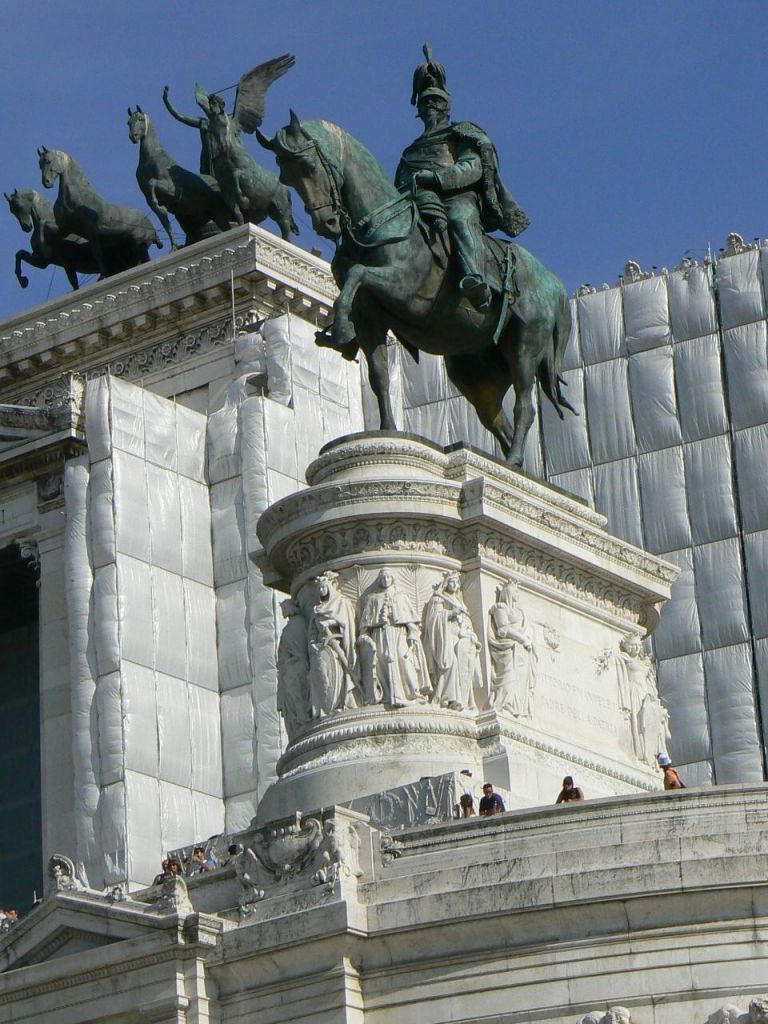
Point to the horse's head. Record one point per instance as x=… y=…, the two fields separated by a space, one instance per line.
x=138 y=122
x=52 y=163
x=309 y=157
x=21 y=207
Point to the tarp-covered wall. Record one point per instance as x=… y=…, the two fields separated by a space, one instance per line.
x=670 y=376
x=147 y=737
x=290 y=399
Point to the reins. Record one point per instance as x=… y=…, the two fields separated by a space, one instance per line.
x=337 y=207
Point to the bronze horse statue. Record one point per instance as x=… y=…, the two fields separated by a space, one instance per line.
x=251 y=191
x=395 y=275
x=196 y=203
x=48 y=246
x=80 y=210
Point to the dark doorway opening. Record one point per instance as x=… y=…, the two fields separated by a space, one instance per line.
x=21 y=866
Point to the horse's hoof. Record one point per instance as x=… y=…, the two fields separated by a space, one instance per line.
x=24 y=281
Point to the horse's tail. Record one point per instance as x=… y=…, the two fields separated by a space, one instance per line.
x=548 y=373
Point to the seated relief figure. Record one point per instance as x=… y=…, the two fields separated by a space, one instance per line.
x=393 y=669
x=451 y=646
x=512 y=654
x=331 y=641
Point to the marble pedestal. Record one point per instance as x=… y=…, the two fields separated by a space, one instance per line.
x=573 y=694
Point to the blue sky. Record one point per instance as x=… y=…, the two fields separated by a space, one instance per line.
x=624 y=129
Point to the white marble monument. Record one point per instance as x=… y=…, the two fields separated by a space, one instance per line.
x=448 y=613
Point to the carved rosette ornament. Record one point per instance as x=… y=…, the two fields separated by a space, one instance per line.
x=430 y=586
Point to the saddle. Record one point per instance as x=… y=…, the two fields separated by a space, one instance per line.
x=499 y=255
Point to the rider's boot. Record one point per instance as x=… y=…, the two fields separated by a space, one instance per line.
x=476 y=290
x=471 y=254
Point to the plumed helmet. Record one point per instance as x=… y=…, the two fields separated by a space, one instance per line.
x=429 y=79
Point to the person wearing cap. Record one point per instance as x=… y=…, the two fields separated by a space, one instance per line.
x=569 y=791
x=671 y=779
x=456 y=163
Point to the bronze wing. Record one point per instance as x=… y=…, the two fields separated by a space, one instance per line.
x=201 y=98
x=251 y=89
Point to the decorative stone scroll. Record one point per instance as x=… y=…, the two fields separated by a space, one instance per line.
x=62 y=876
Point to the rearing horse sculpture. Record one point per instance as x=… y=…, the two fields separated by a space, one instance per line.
x=394 y=275
x=47 y=244
x=80 y=210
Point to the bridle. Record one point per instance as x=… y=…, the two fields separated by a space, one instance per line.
x=334 y=178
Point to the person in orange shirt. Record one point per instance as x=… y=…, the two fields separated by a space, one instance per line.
x=671 y=779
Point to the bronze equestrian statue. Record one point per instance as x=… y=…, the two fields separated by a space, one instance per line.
x=420 y=265
x=80 y=210
x=49 y=247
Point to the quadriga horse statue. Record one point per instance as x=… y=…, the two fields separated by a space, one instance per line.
x=196 y=204
x=48 y=246
x=394 y=274
x=252 y=192
x=80 y=210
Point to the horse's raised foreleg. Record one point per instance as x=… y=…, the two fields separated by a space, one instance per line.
x=22 y=256
x=391 y=284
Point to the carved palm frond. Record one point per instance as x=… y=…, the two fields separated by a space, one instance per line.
x=251 y=89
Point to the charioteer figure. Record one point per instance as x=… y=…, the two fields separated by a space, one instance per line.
x=452 y=168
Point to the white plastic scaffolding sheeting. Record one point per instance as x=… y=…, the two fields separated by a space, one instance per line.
x=146 y=679
x=746 y=361
x=699 y=388
x=655 y=371
x=258 y=451
x=670 y=472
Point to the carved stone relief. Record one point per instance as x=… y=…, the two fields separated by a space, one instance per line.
x=647 y=720
x=305 y=852
x=513 y=655
x=173 y=898
x=614 y=1015
x=729 y=1013
x=393 y=669
x=340 y=654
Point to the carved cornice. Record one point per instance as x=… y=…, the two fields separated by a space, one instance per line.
x=500 y=726
x=154 y=299
x=365 y=723
x=454 y=544
x=458 y=491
